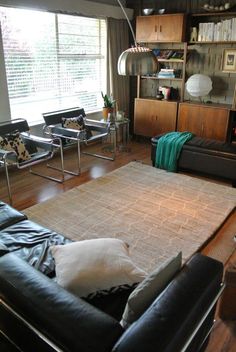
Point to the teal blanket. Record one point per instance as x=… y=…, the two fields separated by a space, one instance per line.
x=169 y=148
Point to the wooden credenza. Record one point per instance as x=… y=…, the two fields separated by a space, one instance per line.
x=204 y=120
x=152 y=117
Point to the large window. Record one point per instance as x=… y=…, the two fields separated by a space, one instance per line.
x=53 y=61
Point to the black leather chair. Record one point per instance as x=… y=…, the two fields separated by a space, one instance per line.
x=94 y=131
x=38 y=149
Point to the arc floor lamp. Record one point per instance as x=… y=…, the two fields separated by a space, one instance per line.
x=137 y=60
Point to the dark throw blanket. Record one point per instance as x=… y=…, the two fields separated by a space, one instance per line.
x=169 y=148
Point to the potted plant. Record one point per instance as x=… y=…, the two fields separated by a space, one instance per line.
x=108 y=105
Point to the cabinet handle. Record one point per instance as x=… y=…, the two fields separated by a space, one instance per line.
x=160 y=29
x=155 y=28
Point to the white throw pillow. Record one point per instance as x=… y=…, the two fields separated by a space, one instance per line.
x=88 y=266
x=149 y=289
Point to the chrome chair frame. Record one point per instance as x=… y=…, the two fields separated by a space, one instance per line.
x=78 y=137
x=9 y=158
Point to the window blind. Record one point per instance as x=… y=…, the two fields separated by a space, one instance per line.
x=53 y=61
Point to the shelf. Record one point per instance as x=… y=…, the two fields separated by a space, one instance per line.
x=170 y=60
x=216 y=42
x=166 y=79
x=214 y=14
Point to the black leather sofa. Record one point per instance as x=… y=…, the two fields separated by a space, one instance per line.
x=206 y=156
x=38 y=315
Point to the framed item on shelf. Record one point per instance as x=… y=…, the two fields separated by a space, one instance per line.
x=229 y=60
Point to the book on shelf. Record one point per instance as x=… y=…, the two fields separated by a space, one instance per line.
x=224 y=30
x=168 y=54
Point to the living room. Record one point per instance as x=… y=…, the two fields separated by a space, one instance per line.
x=56 y=57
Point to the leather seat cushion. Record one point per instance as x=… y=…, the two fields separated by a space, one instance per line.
x=9 y=215
x=207 y=146
x=31 y=242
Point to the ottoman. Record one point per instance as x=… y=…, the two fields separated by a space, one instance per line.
x=205 y=156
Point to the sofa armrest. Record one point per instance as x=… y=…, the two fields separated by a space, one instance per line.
x=69 y=322
x=173 y=317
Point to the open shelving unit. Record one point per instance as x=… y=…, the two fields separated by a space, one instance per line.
x=213 y=17
x=170 y=63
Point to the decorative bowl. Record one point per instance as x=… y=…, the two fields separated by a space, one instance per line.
x=161 y=11
x=147 y=12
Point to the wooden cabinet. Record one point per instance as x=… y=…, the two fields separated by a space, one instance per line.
x=204 y=120
x=152 y=117
x=160 y=28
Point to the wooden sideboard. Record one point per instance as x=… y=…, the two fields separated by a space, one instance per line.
x=207 y=121
x=153 y=117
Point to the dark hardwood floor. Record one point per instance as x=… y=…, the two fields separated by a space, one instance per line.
x=28 y=189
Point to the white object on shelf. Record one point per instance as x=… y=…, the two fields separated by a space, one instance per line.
x=199 y=85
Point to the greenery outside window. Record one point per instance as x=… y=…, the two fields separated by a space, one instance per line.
x=53 y=61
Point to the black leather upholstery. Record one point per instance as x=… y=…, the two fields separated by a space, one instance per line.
x=31 y=242
x=55 y=117
x=29 y=300
x=68 y=321
x=166 y=325
x=9 y=215
x=207 y=156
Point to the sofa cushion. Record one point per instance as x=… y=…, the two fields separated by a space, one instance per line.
x=148 y=290
x=88 y=266
x=31 y=242
x=111 y=301
x=9 y=215
x=3 y=249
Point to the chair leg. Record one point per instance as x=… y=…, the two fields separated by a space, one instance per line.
x=74 y=173
x=8 y=182
x=60 y=169
x=112 y=158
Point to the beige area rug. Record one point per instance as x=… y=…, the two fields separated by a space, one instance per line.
x=158 y=213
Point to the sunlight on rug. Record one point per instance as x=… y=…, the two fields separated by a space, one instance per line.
x=156 y=212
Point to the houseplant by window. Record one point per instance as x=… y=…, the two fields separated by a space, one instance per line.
x=108 y=105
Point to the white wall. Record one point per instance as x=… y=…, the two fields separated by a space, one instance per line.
x=88 y=8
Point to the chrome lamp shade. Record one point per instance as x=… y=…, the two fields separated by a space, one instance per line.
x=137 y=61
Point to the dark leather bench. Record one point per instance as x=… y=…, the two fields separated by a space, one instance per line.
x=205 y=156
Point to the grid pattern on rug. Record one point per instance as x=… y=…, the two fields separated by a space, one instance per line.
x=156 y=212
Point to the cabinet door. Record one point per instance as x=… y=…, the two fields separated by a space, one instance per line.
x=204 y=121
x=146 y=29
x=215 y=123
x=164 y=28
x=144 y=115
x=153 y=117
x=189 y=119
x=170 y=28
x=166 y=114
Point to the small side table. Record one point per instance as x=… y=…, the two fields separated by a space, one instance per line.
x=123 y=127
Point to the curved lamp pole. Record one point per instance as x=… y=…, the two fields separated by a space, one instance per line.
x=137 y=60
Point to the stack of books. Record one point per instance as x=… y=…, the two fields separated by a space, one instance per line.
x=214 y=32
x=166 y=73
